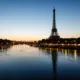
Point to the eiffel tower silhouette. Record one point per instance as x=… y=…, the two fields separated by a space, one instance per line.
x=54 y=33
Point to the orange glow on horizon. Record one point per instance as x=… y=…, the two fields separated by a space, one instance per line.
x=34 y=38
x=23 y=38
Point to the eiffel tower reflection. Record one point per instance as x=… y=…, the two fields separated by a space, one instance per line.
x=53 y=52
x=54 y=63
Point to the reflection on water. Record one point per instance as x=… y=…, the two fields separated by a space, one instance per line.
x=70 y=55
x=4 y=49
x=53 y=52
x=54 y=63
x=30 y=63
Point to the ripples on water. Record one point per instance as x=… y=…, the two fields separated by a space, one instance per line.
x=22 y=62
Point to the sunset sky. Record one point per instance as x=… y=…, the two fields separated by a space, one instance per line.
x=32 y=19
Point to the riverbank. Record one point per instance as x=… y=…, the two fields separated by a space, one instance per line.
x=65 y=46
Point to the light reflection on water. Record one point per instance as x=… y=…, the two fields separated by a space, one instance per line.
x=21 y=62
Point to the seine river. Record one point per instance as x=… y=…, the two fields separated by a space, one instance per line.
x=23 y=62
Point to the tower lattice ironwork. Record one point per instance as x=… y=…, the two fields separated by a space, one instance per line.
x=54 y=33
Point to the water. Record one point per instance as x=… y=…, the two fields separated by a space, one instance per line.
x=22 y=62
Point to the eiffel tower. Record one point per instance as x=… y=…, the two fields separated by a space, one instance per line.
x=54 y=33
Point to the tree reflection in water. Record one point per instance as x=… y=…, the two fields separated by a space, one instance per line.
x=4 y=49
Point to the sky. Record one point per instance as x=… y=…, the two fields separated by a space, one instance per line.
x=32 y=19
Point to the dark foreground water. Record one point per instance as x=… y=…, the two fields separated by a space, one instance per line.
x=22 y=62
